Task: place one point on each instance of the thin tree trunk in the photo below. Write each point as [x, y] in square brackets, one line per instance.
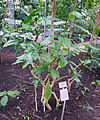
[6, 15]
[72, 22]
[97, 22]
[53, 3]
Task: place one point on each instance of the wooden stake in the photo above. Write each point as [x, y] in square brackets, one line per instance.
[62, 116]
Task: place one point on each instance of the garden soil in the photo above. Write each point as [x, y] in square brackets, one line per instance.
[13, 77]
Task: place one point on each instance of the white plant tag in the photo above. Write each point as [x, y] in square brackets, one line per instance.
[62, 84]
[64, 94]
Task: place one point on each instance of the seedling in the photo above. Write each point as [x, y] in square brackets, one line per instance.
[85, 90]
[98, 82]
[4, 96]
[87, 108]
[93, 83]
[93, 95]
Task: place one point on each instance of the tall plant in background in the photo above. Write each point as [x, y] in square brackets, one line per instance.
[2, 13]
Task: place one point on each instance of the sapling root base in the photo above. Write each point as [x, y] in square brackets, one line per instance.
[45, 102]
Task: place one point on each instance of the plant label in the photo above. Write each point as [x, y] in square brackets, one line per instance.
[62, 84]
[64, 94]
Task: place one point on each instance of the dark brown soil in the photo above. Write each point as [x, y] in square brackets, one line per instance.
[13, 77]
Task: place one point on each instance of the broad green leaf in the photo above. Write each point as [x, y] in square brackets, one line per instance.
[24, 66]
[43, 56]
[35, 83]
[36, 44]
[29, 18]
[11, 42]
[89, 108]
[27, 44]
[75, 14]
[47, 91]
[35, 55]
[87, 61]
[57, 53]
[47, 40]
[43, 64]
[27, 35]
[28, 27]
[65, 42]
[17, 61]
[63, 62]
[57, 45]
[50, 59]
[14, 93]
[49, 18]
[3, 93]
[29, 58]
[98, 82]
[70, 53]
[22, 57]
[59, 23]
[54, 73]
[39, 70]
[4, 100]
[83, 29]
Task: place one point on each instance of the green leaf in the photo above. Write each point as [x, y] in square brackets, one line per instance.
[59, 23]
[47, 40]
[28, 27]
[54, 73]
[27, 35]
[50, 59]
[29, 18]
[63, 62]
[4, 100]
[24, 66]
[14, 93]
[39, 70]
[65, 42]
[98, 82]
[3, 93]
[83, 29]
[49, 18]
[75, 14]
[17, 61]
[72, 67]
[87, 61]
[57, 45]
[70, 53]
[89, 108]
[69, 71]
[77, 79]
[47, 91]
[11, 42]
[35, 83]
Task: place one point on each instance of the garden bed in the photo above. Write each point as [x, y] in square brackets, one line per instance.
[23, 107]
